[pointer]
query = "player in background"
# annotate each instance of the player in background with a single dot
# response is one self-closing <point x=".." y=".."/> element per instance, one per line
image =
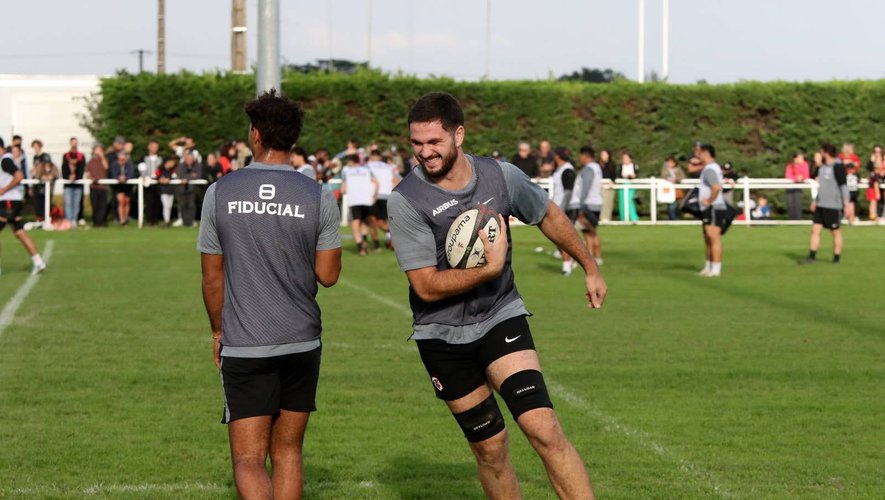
<point x="387" y="177"/>
<point x="563" y="184"/>
<point x="587" y="200"/>
<point x="470" y="324"/>
<point x="361" y="188"/>
<point x="11" y="199"/>
<point x="832" y="198"/>
<point x="714" y="213"/>
<point x="298" y="159"/>
<point x="268" y="236"/>
<point x="851" y="161"/>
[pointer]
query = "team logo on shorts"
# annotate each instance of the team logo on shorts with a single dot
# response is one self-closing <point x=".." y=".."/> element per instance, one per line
<point x="436" y="383"/>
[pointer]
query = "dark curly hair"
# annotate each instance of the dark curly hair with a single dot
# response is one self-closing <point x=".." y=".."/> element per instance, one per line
<point x="278" y="119"/>
<point x="438" y="106"/>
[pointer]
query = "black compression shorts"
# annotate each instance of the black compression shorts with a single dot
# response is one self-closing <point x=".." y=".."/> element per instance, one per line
<point x="360" y="212"/>
<point x="829" y="218"/>
<point x="456" y="370"/>
<point x="11" y="213"/>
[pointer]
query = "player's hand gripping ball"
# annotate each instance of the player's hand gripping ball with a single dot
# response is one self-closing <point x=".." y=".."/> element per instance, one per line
<point x="464" y="248"/>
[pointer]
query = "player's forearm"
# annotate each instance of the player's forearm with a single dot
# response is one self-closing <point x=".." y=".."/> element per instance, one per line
<point x="213" y="298"/>
<point x="558" y="229"/>
<point x="440" y="285"/>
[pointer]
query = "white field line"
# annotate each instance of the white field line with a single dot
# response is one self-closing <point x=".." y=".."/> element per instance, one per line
<point x="611" y="424"/>
<point x="7" y="316"/>
<point x="104" y="489"/>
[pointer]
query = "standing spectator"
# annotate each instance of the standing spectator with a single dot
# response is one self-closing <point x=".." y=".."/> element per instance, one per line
<point x="184" y="145"/>
<point x="672" y="173"/>
<point x="151" y="163"/>
<point x="244" y="154"/>
<point x="298" y="160"/>
<point x="188" y="170"/>
<point x="876" y="193"/>
<point x="23" y="164"/>
<point x="609" y="174"/>
<point x="797" y="171"/>
<point x="525" y="160"/>
<point x="227" y="158"/>
<point x="546" y="165"/>
<point x="122" y="170"/>
<point x="361" y="188"/>
<point x="563" y="185"/>
<point x="97" y="169"/>
<point x="875" y="158"/>
<point x="387" y="176"/>
<point x="11" y="206"/>
<point x="37" y="146"/>
<point x="73" y="165"/>
<point x="729" y="180"/>
<point x="45" y="172"/>
<point x="832" y="197"/>
<point x="353" y="148"/>
<point x="212" y="170"/>
<point x="168" y="173"/>
<point x="852" y="171"/>
<point x="626" y="203"/>
<point x="714" y="211"/>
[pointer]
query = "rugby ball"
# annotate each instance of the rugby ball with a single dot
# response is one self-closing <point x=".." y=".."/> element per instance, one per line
<point x="464" y="248"/>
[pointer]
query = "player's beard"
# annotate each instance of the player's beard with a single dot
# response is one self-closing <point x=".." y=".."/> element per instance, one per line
<point x="447" y="162"/>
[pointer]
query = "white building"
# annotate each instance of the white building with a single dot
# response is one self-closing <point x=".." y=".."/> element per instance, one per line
<point x="48" y="108"/>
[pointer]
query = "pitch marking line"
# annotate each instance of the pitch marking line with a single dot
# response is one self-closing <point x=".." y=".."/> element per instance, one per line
<point x="610" y="423"/>
<point x="7" y="316"/>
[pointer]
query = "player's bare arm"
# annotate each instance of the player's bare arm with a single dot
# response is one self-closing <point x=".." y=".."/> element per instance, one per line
<point x="328" y="266"/>
<point x="213" y="297"/>
<point x="432" y="285"/>
<point x="558" y="229"/>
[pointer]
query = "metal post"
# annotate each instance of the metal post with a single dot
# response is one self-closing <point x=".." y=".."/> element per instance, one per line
<point x="47" y="205"/>
<point x="268" y="45"/>
<point x="641" y="77"/>
<point x="665" y="45"/>
<point x="140" y="203"/>
<point x="654" y="200"/>
<point x="746" y="182"/>
<point x="161" y="37"/>
<point x="238" y="36"/>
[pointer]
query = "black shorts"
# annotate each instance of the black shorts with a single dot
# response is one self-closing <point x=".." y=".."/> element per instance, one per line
<point x="572" y="214"/>
<point x="11" y="213"/>
<point x="853" y="195"/>
<point x="360" y="212"/>
<point x="379" y="209"/>
<point x="122" y="188"/>
<point x="715" y="217"/>
<point x="829" y="218"/>
<point x="263" y="386"/>
<point x="592" y="217"/>
<point x="456" y="370"/>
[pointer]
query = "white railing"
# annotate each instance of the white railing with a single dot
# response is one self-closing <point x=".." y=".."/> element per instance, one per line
<point x="651" y="184"/>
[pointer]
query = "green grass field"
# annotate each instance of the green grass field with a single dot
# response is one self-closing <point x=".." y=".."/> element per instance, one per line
<point x="766" y="383"/>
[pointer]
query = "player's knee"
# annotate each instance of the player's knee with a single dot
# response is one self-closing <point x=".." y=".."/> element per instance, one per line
<point x="481" y="422"/>
<point x="524" y="391"/>
<point x="491" y="452"/>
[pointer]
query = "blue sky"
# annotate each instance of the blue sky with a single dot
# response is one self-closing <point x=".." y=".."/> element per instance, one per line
<point x="714" y="40"/>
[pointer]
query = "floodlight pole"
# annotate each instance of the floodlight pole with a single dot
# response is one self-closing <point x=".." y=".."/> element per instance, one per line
<point x="268" y="45"/>
<point x="641" y="76"/>
<point x="665" y="57"/>
<point x="161" y="37"/>
<point x="238" y="36"/>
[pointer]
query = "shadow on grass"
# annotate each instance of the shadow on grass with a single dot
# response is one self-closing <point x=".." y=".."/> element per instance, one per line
<point x="417" y="476"/>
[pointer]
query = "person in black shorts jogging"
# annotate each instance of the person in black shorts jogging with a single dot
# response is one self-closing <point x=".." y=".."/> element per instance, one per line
<point x="11" y="206"/>
<point x="832" y="198"/>
<point x="587" y="199"/>
<point x="268" y="235"/>
<point x="470" y="324"/>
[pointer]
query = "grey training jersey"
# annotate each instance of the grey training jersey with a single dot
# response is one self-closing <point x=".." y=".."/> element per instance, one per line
<point x="268" y="221"/>
<point x="420" y="215"/>
<point x="711" y="175"/>
<point x="587" y="194"/>
<point x="833" y="190"/>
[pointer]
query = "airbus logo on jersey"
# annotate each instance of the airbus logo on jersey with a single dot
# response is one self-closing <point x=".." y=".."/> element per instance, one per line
<point x="445" y="206"/>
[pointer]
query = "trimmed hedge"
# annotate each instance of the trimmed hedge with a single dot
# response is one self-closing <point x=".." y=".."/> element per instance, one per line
<point x="757" y="126"/>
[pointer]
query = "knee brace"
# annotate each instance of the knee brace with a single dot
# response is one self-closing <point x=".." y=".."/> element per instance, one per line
<point x="482" y="421"/>
<point x="524" y="391"/>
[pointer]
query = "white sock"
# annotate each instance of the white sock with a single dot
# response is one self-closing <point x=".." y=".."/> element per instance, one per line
<point x="708" y="265"/>
<point x="717" y="268"/>
<point x="567" y="265"/>
<point x="37" y="260"/>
